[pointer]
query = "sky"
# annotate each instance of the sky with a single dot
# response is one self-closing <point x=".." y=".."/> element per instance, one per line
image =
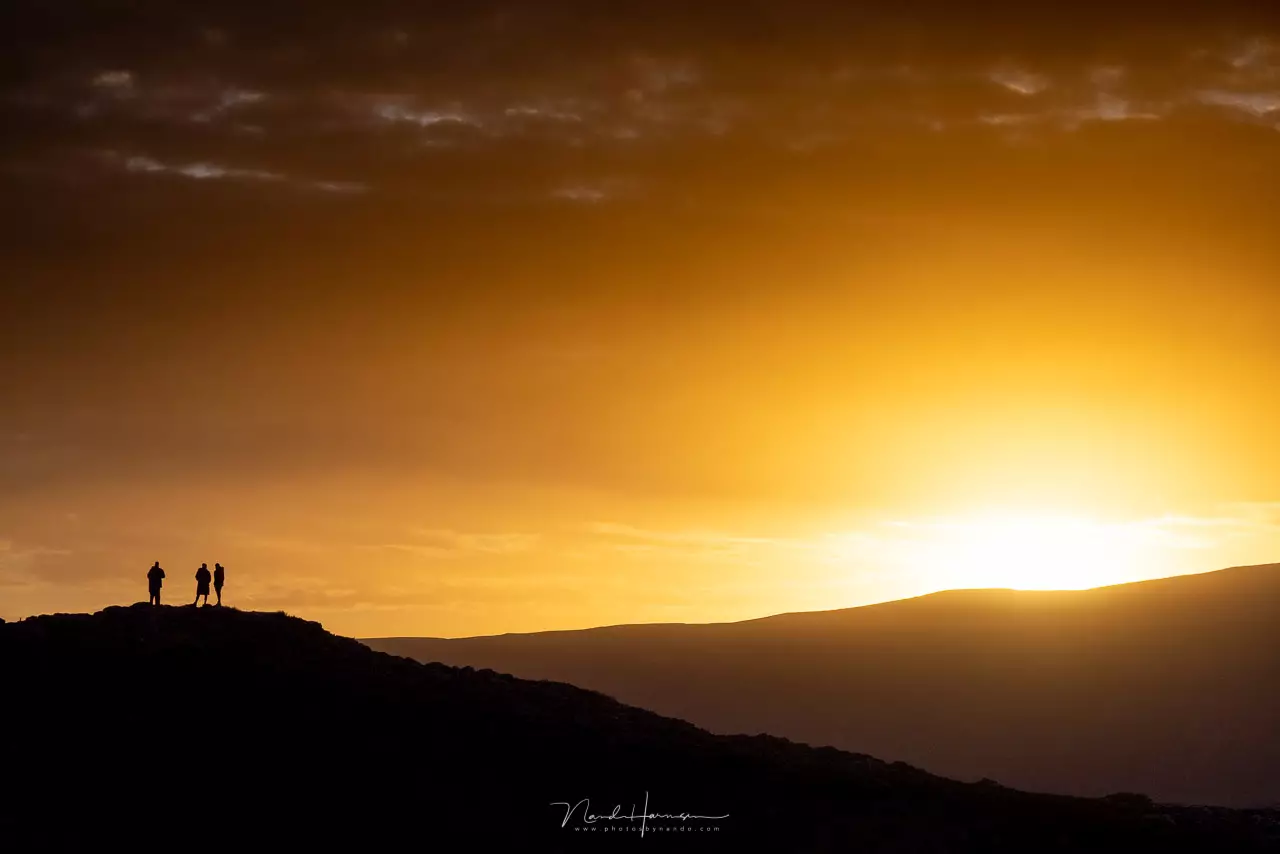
<point x="467" y="318"/>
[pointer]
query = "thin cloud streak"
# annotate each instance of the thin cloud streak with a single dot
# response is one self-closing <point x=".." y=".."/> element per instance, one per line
<point x="446" y="543"/>
<point x="208" y="171"/>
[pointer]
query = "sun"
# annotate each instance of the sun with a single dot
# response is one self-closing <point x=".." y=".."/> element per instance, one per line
<point x="1031" y="552"/>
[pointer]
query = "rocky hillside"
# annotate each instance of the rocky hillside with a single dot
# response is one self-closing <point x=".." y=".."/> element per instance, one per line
<point x="192" y="726"/>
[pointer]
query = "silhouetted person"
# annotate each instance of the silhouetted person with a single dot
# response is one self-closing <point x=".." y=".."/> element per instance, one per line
<point x="202" y="584"/>
<point x="219" y="578"/>
<point x="155" y="578"/>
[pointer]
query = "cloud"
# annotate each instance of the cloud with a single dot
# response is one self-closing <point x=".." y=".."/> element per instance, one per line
<point x="21" y="566"/>
<point x="613" y="529"/>
<point x="1007" y="119"/>
<point x="692" y="545"/>
<point x="227" y="101"/>
<point x="1257" y="104"/>
<point x="1255" y="54"/>
<point x="340" y="186"/>
<point x="1258" y="516"/>
<point x="119" y="82"/>
<point x="541" y="112"/>
<point x="201" y="171"/>
<point x="1107" y="76"/>
<point x="208" y="171"/>
<point x="447" y="543"/>
<point x="580" y="193"/>
<point x="664" y="100"/>
<point x="397" y="113"/>
<point x="1021" y="82"/>
<point x="214" y="120"/>
<point x="1111" y="108"/>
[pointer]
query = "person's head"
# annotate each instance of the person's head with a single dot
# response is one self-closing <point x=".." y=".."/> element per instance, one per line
<point x="217" y="566"/>
<point x="204" y="566"/>
<point x="157" y="563"/>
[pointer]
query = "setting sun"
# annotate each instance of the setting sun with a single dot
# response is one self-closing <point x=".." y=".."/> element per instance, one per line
<point x="1035" y="552"/>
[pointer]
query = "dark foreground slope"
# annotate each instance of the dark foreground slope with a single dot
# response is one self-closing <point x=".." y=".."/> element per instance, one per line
<point x="1168" y="687"/>
<point x="184" y="726"/>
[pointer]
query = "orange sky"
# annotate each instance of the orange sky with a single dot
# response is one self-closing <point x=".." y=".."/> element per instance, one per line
<point x="726" y="461"/>
<point x="431" y="352"/>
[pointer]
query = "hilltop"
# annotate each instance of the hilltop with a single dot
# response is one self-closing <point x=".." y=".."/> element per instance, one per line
<point x="1168" y="687"/>
<point x="222" y="726"/>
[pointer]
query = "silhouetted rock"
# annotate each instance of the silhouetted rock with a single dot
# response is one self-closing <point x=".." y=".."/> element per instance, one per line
<point x="217" y="726"/>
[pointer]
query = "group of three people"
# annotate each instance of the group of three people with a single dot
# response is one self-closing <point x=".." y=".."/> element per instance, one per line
<point x="155" y="579"/>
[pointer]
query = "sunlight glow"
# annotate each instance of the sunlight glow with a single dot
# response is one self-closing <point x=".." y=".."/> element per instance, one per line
<point x="1034" y="552"/>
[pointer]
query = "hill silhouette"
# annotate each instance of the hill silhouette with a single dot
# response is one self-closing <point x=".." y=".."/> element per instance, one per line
<point x="191" y="726"/>
<point x="1168" y="687"/>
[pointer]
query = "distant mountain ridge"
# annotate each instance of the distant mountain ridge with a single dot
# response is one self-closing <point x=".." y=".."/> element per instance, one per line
<point x="214" y="727"/>
<point x="1169" y="687"/>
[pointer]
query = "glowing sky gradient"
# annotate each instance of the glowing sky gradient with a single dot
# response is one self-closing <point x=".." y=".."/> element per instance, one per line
<point x="494" y="317"/>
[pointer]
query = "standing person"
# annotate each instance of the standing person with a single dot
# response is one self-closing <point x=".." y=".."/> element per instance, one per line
<point x="219" y="578"/>
<point x="202" y="584"/>
<point x="155" y="577"/>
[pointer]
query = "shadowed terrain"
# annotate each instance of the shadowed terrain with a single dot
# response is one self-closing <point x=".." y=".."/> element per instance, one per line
<point x="214" y="725"/>
<point x="1168" y="687"/>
